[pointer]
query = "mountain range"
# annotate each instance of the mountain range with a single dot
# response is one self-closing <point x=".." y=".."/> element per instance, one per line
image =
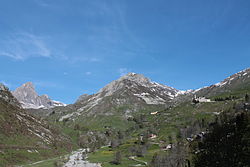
<point x="132" y="92"/>
<point x="28" y="98"/>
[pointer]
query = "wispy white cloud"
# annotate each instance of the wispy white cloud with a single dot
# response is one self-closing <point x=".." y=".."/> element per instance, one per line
<point x="113" y="36"/>
<point x="20" y="46"/>
<point x="11" y="55"/>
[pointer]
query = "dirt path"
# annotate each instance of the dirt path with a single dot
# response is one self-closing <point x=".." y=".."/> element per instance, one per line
<point x="20" y="147"/>
<point x="137" y="160"/>
<point x="38" y="162"/>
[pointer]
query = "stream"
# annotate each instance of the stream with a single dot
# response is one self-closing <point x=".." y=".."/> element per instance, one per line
<point x="76" y="160"/>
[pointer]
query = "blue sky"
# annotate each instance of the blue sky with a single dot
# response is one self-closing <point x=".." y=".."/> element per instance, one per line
<point x="71" y="47"/>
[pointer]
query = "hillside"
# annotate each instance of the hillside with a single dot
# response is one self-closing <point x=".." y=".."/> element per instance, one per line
<point x="24" y="137"/>
<point x="234" y="85"/>
<point x="227" y="142"/>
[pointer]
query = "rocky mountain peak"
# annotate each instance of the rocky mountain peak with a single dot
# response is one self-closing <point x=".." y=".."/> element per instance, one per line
<point x="138" y="78"/>
<point x="25" y="93"/>
<point x="29" y="98"/>
<point x="29" y="85"/>
<point x="129" y="89"/>
<point x="127" y="81"/>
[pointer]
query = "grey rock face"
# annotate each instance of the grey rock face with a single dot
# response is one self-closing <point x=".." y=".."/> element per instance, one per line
<point x="29" y="98"/>
<point x="141" y="87"/>
<point x="82" y="97"/>
<point x="132" y="90"/>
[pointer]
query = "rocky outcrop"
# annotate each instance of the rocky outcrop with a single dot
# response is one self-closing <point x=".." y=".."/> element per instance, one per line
<point x="28" y="98"/>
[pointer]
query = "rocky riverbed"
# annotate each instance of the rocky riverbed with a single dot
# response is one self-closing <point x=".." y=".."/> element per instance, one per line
<point x="76" y="160"/>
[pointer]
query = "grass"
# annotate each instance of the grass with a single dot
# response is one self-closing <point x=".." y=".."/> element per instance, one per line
<point x="51" y="162"/>
<point x="105" y="156"/>
<point x="168" y="122"/>
<point x="21" y="155"/>
<point x="47" y="163"/>
<point x="238" y="92"/>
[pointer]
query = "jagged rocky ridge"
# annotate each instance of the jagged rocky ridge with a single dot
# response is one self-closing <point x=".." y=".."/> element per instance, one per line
<point x="28" y="98"/>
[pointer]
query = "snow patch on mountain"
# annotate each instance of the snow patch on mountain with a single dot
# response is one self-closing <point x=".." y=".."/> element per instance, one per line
<point x="233" y="77"/>
<point x="156" y="93"/>
<point x="150" y="100"/>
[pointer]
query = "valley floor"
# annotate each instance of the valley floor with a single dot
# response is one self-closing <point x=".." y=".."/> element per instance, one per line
<point x="75" y="159"/>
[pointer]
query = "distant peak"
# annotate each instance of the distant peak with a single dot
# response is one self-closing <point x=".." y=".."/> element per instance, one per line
<point x="131" y="74"/>
<point x="29" y="98"/>
<point x="135" y="77"/>
<point x="29" y="85"/>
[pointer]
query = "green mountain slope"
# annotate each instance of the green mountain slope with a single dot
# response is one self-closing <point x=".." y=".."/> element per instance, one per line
<point x="23" y="137"/>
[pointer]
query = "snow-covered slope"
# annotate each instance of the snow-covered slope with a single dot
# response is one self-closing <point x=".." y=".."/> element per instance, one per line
<point x="28" y="98"/>
<point x="240" y="76"/>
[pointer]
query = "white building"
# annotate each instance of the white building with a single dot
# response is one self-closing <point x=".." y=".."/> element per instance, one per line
<point x="202" y="99"/>
<point x="154" y="113"/>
